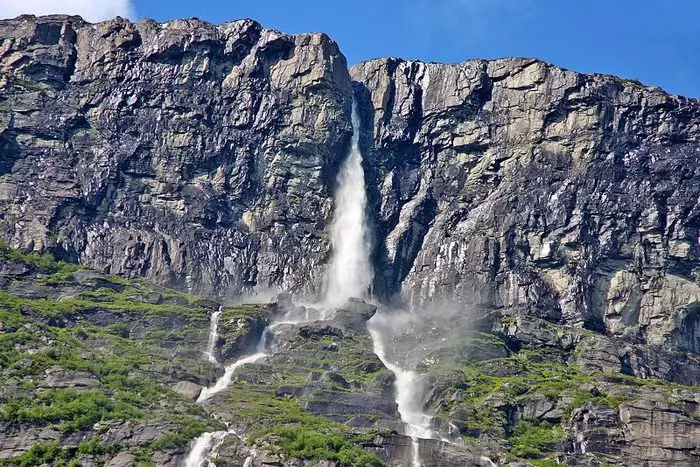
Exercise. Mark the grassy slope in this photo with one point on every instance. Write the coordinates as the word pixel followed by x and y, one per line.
pixel 44 334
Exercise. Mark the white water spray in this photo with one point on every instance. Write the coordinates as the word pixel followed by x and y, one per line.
pixel 350 273
pixel 410 393
pixel 205 448
pixel 213 336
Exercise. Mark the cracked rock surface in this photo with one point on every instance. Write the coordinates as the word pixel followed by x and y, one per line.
pixel 556 215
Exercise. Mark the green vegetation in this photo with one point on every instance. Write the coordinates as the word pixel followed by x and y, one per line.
pixel 237 321
pixel 59 271
pixel 88 336
pixel 528 396
pixel 27 84
pixel 529 439
pixel 71 365
pixel 37 455
pixel 304 443
pixel 285 427
pixel 73 410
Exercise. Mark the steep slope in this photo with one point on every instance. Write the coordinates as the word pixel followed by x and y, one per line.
pixel 540 224
pixel 91 365
pixel 198 155
pixel 513 183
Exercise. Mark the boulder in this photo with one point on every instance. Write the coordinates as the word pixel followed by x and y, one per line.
pixel 187 389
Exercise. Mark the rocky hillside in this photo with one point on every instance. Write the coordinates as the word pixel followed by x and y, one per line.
pixel 99 370
pixel 91 365
pixel 541 224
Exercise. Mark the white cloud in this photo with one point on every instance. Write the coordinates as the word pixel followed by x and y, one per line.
pixel 91 10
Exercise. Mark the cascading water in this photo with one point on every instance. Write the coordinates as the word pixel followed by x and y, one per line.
pixel 213 335
pixel 225 380
pixel 410 394
pixel 204 449
pixel 350 273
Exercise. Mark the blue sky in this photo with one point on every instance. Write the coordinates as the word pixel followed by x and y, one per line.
pixel 654 41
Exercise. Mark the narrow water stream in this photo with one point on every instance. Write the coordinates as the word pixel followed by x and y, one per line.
pixel 410 395
pixel 225 380
pixel 349 274
pixel 213 336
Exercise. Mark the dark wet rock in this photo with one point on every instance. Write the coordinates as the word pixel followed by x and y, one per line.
pixel 354 314
pixel 8 268
pixel 267 115
pixel 318 331
pixel 241 327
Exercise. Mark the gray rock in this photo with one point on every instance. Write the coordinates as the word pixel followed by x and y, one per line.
pixel 194 154
pixel 187 389
pixel 123 459
pixel 513 183
pixel 643 432
pixel 204 157
pixel 57 377
pixel 354 314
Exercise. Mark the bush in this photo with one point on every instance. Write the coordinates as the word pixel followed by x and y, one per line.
pixel 304 443
pixel 529 438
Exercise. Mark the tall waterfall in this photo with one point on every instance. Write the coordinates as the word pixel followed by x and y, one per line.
pixel 350 273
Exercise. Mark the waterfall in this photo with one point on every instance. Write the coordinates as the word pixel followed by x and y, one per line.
pixel 223 382
pixel 350 273
pixel 410 394
pixel 204 449
pixel 213 336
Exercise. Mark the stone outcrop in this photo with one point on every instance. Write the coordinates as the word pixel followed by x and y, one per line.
pixel 198 155
pixel 513 183
pixel 543 223
pixel 204 157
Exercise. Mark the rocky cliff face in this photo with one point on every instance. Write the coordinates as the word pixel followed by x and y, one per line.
pixel 557 210
pixel 198 155
pixel 513 183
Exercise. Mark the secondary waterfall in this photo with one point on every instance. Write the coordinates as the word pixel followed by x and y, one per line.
pixel 213 335
pixel 350 273
pixel 410 394
pixel 204 449
pixel 223 382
